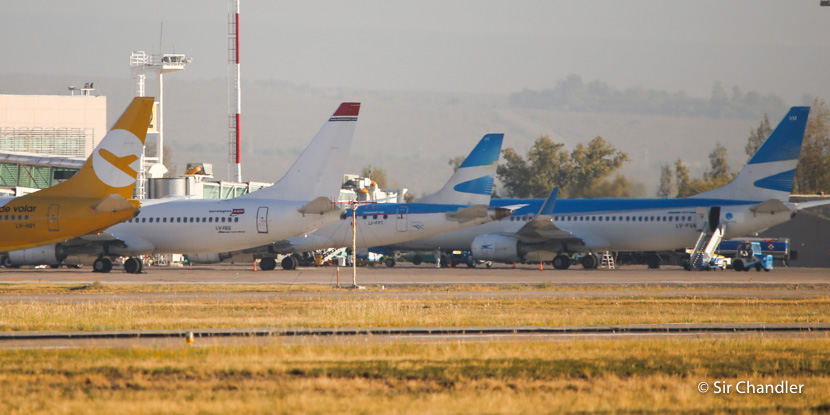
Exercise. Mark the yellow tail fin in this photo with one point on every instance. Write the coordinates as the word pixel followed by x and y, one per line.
pixel 113 165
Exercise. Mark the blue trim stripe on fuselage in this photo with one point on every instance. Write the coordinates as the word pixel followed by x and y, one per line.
pixel 582 206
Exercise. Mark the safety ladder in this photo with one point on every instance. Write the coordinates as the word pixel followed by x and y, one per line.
pixel 706 245
pixel 607 261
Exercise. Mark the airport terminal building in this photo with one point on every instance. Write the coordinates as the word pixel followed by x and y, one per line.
pixel 46 138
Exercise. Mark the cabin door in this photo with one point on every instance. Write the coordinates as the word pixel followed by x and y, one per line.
pixel 52 222
pixel 402 218
pixel 262 220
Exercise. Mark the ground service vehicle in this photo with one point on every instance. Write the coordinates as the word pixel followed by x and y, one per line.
pixel 749 255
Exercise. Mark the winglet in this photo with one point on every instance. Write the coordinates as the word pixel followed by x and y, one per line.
pixel 550 202
pixel 318 172
pixel 113 165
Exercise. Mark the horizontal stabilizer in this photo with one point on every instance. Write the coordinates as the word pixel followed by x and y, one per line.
pixel 318 206
pixel 770 207
pixel 114 203
pixel 468 214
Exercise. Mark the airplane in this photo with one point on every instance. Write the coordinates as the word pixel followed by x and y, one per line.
pixel 298 203
pixel 756 199
pixel 461 203
pixel 95 198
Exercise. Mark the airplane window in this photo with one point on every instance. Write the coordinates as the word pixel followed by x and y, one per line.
pixel 627 218
pixel 164 220
pixel 385 216
pixel 600 218
pixel 210 220
pixel 677 218
pixel 236 219
pixel 670 218
pixel 26 217
pixel 374 216
pixel 204 220
pixel 594 218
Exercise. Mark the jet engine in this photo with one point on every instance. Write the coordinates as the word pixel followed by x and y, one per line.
pixel 208 258
pixel 494 247
pixel 42 255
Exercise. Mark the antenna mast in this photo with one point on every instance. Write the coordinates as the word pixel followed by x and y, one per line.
pixel 234 93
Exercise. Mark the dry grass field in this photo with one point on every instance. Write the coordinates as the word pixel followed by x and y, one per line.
pixel 639 376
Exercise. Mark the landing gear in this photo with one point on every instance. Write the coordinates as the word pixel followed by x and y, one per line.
pixel 561 261
pixel 133 265
pixel 102 265
pixel 289 263
pixel 267 264
pixel 653 261
pixel 390 262
pixel 590 261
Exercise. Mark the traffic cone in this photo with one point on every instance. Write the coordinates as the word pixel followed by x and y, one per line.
pixel 255 264
pixel 541 268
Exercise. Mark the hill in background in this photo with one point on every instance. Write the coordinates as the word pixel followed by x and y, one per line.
pixel 410 134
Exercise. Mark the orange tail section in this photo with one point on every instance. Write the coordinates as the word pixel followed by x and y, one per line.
pixel 113 166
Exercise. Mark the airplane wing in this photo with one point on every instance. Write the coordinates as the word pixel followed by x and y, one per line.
pixel 319 206
pixel 542 226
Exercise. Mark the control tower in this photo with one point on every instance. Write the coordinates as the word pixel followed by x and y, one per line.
pixel 140 64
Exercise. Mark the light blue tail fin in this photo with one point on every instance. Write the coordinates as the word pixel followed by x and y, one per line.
pixel 472 183
pixel 318 172
pixel 770 173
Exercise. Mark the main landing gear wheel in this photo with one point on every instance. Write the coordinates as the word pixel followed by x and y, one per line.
pixel 590 261
pixel 289 263
pixel 133 265
pixel 267 264
pixel 102 265
pixel 653 262
pixel 561 261
pixel 390 262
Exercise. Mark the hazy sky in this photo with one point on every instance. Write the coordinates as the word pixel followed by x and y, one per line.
pixel 780 47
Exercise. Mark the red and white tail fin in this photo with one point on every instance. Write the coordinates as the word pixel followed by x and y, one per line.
pixel 318 172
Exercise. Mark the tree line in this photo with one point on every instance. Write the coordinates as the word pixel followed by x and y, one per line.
pixel 590 170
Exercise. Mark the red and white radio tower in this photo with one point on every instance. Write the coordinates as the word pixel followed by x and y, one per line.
pixel 234 92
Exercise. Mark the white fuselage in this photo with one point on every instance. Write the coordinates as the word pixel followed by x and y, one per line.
pixel 213 225
pixel 390 224
pixel 629 230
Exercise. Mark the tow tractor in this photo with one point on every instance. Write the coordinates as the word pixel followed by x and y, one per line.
pixel 749 256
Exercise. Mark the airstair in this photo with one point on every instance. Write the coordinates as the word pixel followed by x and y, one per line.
pixel 607 261
pixel 705 247
pixel 332 253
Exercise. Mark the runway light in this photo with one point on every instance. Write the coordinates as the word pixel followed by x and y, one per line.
pixel 189 338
